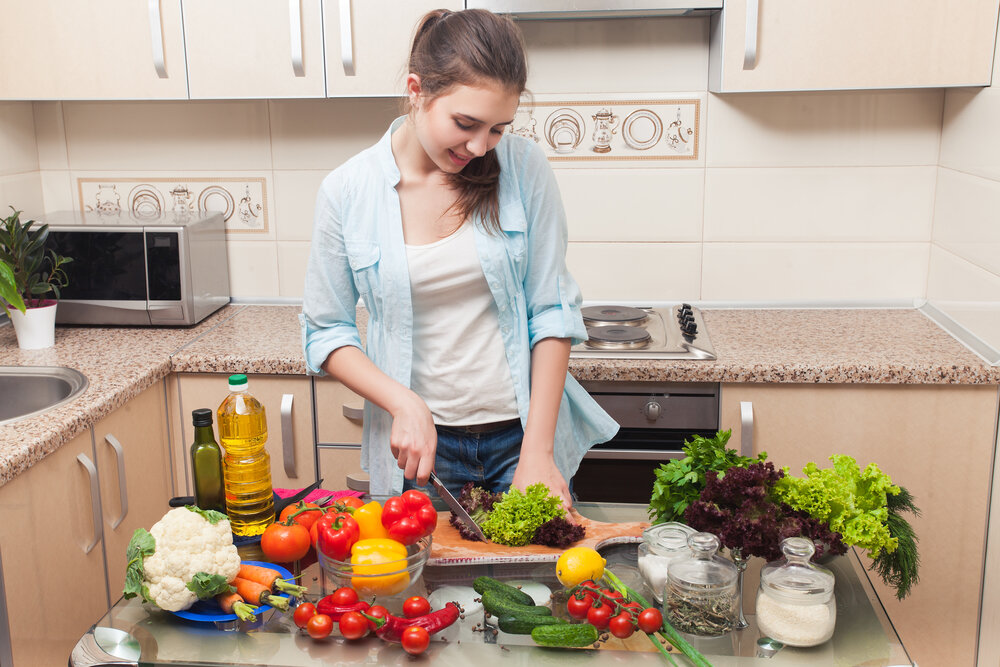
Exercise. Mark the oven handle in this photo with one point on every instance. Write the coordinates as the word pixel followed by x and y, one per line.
pixel 633 454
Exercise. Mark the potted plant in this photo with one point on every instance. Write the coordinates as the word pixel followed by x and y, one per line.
pixel 35 275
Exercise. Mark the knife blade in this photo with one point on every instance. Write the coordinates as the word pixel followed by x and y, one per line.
pixel 457 508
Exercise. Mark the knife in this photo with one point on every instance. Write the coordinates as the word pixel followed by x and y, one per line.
pixel 456 507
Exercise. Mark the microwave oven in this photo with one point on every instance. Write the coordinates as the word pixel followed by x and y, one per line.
pixel 169 270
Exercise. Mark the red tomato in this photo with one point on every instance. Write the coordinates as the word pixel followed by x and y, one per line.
pixel 650 620
pixel 634 605
pixel 377 611
pixel 343 596
pixel 416 606
pixel 284 544
pixel 579 606
pixel 351 501
pixel 306 519
pixel 415 640
pixel 621 625
pixel 612 595
pixel 303 613
pixel 353 625
pixel 599 615
pixel 319 626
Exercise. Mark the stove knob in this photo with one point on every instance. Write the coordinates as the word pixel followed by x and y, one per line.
pixel 686 306
pixel 652 411
pixel 690 329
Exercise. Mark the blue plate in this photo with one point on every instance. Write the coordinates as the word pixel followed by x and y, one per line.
pixel 209 611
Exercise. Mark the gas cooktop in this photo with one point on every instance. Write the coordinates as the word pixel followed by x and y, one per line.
pixel 624 332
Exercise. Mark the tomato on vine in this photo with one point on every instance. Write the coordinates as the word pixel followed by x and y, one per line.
pixel 599 615
pixel 578 605
pixel 621 626
pixel 650 620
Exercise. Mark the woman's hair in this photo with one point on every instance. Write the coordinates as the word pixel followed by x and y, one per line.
pixel 471 47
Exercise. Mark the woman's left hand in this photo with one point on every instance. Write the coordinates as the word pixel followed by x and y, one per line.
pixel 531 470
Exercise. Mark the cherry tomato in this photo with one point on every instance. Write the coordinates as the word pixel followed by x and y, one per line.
pixel 415 640
pixel 613 595
pixel 284 544
pixel 353 625
pixel 579 606
pixel 634 605
pixel 319 626
pixel 599 615
pixel 303 613
pixel 377 611
pixel 650 620
pixel 306 519
pixel 416 606
pixel 343 596
pixel 621 625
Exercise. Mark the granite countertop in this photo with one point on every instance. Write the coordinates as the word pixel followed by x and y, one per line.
pixel 897 346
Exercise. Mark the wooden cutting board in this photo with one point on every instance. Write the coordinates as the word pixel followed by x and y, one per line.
pixel 448 547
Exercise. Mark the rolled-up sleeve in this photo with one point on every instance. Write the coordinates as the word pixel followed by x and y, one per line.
pixel 329 303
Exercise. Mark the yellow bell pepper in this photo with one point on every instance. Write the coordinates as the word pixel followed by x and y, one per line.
pixel 369 518
pixel 375 559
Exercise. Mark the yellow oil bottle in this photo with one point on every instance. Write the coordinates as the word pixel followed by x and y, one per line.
pixel 246 466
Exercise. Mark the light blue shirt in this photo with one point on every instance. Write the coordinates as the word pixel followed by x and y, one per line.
pixel 358 251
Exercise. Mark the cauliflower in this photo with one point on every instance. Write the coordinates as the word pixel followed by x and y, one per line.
pixel 186 556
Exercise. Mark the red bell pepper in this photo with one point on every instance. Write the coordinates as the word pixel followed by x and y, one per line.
pixel 409 517
pixel 336 533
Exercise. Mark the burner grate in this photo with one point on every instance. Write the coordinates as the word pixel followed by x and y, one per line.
pixel 617 337
pixel 607 315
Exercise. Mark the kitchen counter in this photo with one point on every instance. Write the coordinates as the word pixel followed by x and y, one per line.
pixel 880 346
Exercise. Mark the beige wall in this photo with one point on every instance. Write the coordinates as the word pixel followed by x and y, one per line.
pixel 20 185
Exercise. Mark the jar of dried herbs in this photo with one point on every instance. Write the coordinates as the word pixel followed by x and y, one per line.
pixel 795 601
pixel 701 595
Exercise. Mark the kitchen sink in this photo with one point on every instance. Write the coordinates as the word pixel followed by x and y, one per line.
pixel 31 390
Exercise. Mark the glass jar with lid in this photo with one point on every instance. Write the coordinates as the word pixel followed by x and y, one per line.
pixel 701 593
pixel 661 544
pixel 795 602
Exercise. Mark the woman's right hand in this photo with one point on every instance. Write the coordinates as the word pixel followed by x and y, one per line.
pixel 413 440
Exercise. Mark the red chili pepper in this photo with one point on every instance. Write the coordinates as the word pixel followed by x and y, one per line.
pixel 337 535
pixel 409 517
pixel 335 611
pixel 391 627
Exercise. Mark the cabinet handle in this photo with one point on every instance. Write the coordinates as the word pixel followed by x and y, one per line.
pixel 288 436
pixel 295 28
pixel 746 428
pixel 122 486
pixel 354 414
pixel 750 47
pixel 95 501
pixel 156 36
pixel 346 37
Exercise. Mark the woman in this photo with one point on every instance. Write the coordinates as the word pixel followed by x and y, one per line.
pixel 453 234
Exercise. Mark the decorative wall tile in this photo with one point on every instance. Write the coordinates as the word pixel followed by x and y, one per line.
pixel 242 201
pixel 604 130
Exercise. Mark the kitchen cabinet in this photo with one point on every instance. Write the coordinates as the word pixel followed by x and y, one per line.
pixel 367 44
pixel 339 413
pixel 103 49
pixel 336 463
pixel 937 441
pixel 239 49
pixel 287 400
pixel 783 45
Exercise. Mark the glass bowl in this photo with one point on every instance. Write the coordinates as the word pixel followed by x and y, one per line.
pixel 381 580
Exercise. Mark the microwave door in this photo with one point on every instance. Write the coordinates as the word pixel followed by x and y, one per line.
pixel 165 277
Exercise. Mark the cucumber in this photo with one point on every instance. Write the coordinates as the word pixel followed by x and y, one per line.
pixel 525 623
pixel 576 634
pixel 497 604
pixel 516 595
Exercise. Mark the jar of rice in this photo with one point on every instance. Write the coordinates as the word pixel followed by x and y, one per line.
pixel 795 601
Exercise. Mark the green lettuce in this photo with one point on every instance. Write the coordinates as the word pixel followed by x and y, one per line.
pixel 515 518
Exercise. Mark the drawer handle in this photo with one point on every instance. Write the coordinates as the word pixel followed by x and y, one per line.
pixel 122 485
pixel 354 414
pixel 288 436
pixel 95 501
pixel 750 48
pixel 156 36
pixel 746 428
pixel 346 38
pixel 295 28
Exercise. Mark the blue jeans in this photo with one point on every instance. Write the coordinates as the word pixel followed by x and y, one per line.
pixel 485 459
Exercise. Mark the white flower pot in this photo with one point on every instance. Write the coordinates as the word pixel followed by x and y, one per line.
pixel 36 327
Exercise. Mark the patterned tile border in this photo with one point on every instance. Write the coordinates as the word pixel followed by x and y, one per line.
pixel 242 201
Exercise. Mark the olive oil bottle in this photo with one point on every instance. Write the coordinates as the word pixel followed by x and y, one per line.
pixel 206 463
pixel 247 465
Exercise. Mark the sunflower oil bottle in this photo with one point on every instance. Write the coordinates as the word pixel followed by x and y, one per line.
pixel 247 465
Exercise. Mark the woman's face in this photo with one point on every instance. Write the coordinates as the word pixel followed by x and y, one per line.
pixel 462 124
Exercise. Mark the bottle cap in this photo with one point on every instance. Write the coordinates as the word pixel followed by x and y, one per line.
pixel 201 417
pixel 237 382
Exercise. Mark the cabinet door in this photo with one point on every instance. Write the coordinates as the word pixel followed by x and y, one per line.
pixel 848 44
pixel 339 413
pixel 50 552
pixel 368 41
pixel 101 49
pixel 287 401
pixel 336 463
pixel 133 460
pixel 937 441
pixel 254 48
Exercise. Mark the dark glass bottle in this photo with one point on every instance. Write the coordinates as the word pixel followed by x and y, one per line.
pixel 206 462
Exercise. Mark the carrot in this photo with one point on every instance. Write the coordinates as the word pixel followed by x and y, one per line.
pixel 256 593
pixel 233 603
pixel 265 576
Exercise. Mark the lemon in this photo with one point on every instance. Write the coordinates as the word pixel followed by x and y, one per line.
pixel 578 564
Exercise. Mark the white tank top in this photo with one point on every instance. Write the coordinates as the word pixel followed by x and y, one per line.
pixel 459 364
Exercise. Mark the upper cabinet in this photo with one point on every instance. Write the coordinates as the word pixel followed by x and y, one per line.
pixel 785 45
pixel 240 49
pixel 368 41
pixel 100 49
